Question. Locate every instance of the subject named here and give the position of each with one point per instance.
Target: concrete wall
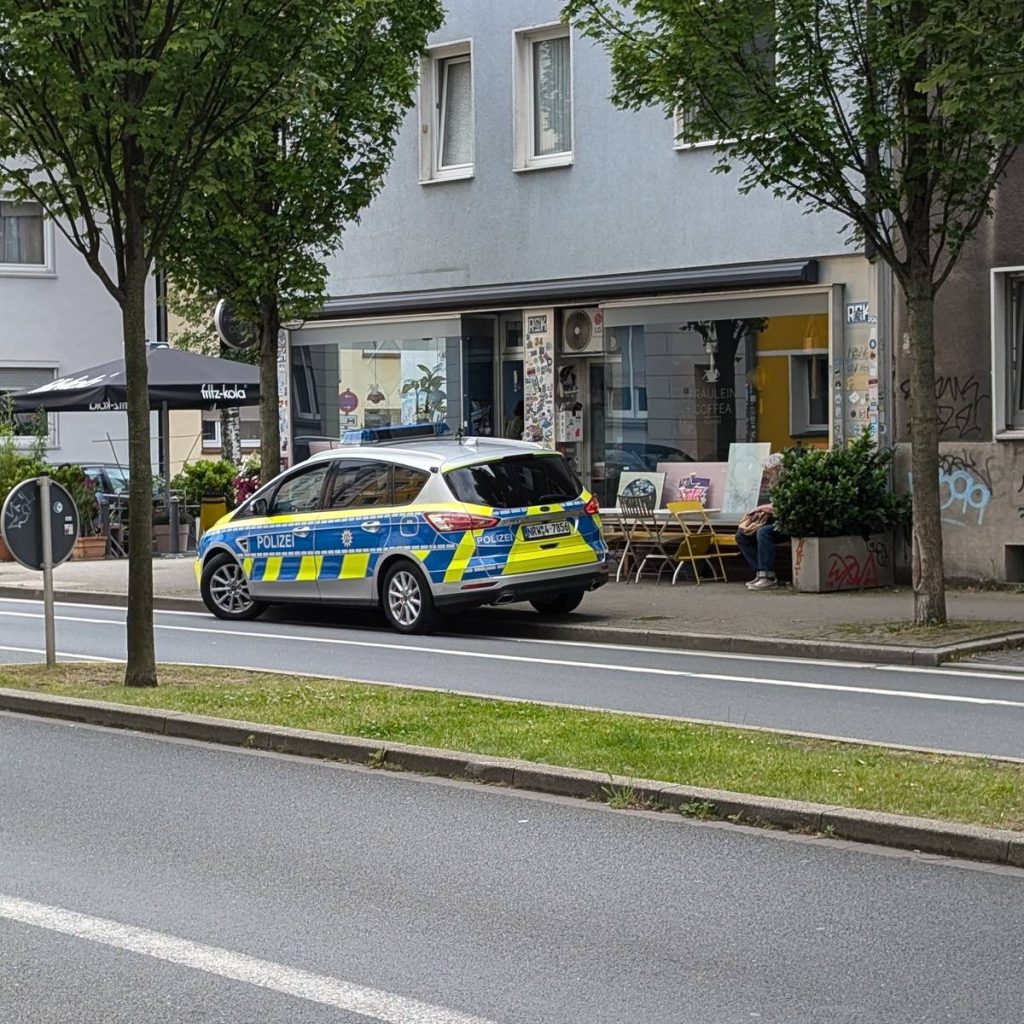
(68, 320)
(630, 201)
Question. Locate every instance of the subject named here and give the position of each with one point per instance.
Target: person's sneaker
(750, 583)
(763, 583)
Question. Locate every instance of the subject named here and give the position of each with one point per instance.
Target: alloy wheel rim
(405, 598)
(229, 589)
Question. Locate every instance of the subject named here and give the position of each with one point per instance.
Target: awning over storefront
(368, 333)
(575, 291)
(729, 306)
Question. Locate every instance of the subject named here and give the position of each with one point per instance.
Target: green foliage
(204, 476)
(83, 493)
(838, 492)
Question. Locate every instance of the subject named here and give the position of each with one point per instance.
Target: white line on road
(315, 988)
(61, 654)
(999, 674)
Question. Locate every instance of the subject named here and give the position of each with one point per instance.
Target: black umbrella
(178, 379)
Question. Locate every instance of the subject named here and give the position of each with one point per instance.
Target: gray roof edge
(563, 291)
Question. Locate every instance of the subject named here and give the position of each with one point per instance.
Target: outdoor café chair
(700, 545)
(645, 539)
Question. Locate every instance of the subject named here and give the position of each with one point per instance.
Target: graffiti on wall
(960, 402)
(965, 489)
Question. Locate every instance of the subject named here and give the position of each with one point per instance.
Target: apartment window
(248, 428)
(24, 241)
(680, 121)
(809, 394)
(446, 114)
(17, 378)
(1008, 350)
(543, 98)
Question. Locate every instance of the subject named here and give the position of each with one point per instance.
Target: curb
(996, 846)
(783, 647)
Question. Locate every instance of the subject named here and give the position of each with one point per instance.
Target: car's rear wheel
(225, 590)
(407, 601)
(560, 604)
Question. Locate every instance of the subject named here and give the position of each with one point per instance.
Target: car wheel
(407, 601)
(560, 604)
(225, 590)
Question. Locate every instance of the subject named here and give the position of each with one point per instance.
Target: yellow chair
(699, 543)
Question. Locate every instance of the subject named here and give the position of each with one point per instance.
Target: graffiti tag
(960, 404)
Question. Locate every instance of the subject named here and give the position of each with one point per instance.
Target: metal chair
(700, 544)
(644, 534)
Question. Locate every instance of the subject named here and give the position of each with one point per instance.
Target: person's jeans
(759, 548)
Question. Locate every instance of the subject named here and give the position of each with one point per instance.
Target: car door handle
(372, 525)
(301, 531)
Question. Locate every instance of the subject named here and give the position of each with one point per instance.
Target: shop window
(446, 114)
(25, 240)
(26, 425)
(809, 394)
(543, 98)
(626, 380)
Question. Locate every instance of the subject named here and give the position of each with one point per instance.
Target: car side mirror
(259, 507)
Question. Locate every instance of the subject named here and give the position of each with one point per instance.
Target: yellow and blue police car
(412, 519)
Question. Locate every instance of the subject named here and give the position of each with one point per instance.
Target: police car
(412, 519)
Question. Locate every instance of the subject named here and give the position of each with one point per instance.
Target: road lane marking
(1001, 675)
(62, 654)
(719, 677)
(314, 988)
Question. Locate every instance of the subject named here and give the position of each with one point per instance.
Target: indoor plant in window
(839, 507)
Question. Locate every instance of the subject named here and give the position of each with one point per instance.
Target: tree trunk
(929, 575)
(230, 436)
(141, 666)
(270, 423)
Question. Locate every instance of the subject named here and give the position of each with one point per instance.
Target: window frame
(216, 444)
(431, 98)
(44, 269)
(24, 442)
(304, 470)
(523, 107)
(800, 424)
(1007, 418)
(340, 465)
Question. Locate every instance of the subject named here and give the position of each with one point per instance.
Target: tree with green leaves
(261, 230)
(901, 115)
(109, 113)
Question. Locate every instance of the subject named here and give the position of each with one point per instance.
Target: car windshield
(515, 482)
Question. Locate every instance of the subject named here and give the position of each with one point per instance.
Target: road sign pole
(47, 544)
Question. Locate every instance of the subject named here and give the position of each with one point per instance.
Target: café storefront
(618, 383)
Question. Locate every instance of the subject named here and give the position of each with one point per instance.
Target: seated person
(758, 546)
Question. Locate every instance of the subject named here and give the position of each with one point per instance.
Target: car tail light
(450, 522)
(592, 507)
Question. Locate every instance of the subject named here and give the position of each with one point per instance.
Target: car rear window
(516, 481)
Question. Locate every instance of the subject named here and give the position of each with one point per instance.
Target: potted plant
(91, 543)
(839, 508)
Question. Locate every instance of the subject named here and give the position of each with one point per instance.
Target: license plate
(541, 530)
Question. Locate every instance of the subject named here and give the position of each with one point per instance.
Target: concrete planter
(824, 564)
(89, 548)
(162, 538)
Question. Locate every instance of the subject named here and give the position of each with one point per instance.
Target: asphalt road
(152, 881)
(969, 710)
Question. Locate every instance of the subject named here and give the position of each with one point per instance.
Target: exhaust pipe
(505, 597)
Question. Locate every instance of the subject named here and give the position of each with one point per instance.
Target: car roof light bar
(409, 432)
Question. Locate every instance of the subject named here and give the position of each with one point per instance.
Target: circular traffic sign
(22, 520)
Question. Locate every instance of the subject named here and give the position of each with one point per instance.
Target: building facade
(56, 318)
(979, 387)
(542, 264)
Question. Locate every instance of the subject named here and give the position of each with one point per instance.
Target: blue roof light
(409, 432)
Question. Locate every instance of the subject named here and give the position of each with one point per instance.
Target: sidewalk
(871, 625)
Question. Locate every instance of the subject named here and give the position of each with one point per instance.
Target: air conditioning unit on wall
(582, 332)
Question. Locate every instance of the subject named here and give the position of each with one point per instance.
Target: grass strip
(964, 789)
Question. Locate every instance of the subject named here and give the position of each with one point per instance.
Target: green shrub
(838, 492)
(83, 493)
(205, 476)
(16, 462)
